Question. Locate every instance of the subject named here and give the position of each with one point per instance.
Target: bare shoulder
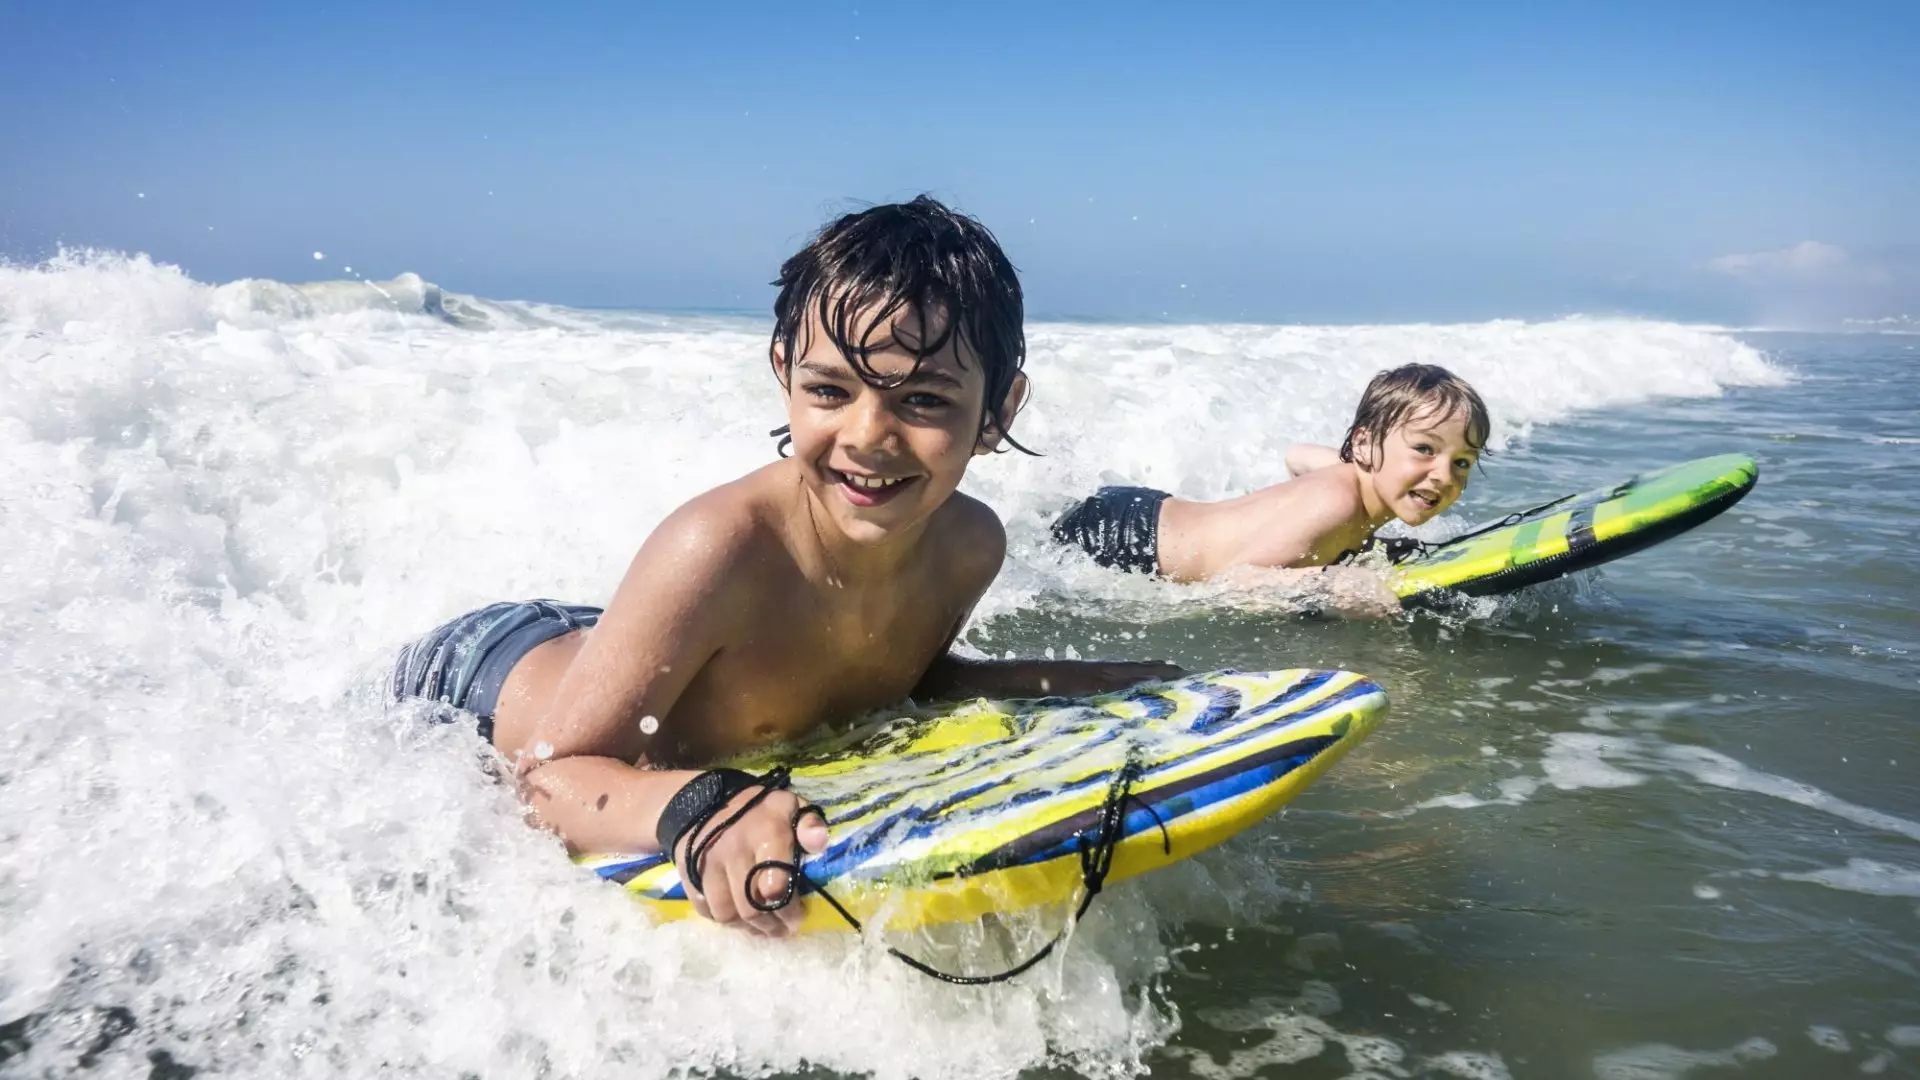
(1320, 497)
(715, 539)
(1333, 516)
(720, 522)
(1305, 521)
(971, 539)
(1330, 495)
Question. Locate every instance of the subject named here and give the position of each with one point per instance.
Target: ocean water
(1656, 821)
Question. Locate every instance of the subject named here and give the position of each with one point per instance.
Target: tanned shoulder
(1336, 514)
(715, 541)
(1309, 526)
(973, 539)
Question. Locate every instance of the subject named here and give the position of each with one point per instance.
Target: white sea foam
(1867, 876)
(226, 505)
(1658, 1061)
(1576, 760)
(1830, 1038)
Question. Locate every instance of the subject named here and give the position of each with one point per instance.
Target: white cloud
(1814, 284)
(1808, 258)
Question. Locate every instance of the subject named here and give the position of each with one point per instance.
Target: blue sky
(1339, 162)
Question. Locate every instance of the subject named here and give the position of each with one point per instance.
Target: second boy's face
(1423, 466)
(881, 459)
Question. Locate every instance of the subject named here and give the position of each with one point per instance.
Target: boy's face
(1422, 465)
(882, 459)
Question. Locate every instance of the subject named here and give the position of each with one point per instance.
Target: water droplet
(543, 750)
(649, 725)
(318, 255)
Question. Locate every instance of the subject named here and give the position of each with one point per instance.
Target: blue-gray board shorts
(464, 663)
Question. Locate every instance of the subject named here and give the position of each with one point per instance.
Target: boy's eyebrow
(1435, 436)
(921, 376)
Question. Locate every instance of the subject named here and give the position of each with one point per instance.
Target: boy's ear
(1010, 407)
(1363, 450)
(777, 356)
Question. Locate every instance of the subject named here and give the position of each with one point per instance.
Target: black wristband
(699, 800)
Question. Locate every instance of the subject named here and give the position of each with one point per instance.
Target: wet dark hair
(1394, 397)
(863, 270)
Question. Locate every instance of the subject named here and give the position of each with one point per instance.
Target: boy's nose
(870, 428)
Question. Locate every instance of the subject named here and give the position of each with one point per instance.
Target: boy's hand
(766, 833)
(1356, 592)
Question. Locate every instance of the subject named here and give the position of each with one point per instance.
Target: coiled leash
(1398, 549)
(690, 814)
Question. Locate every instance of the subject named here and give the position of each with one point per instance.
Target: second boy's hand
(1349, 592)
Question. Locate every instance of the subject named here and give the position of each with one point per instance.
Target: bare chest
(806, 663)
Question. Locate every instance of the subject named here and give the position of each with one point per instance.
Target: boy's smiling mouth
(862, 490)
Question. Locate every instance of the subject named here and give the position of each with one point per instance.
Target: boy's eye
(825, 391)
(923, 400)
(1423, 448)
(1462, 463)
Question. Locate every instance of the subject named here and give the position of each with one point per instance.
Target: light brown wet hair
(1396, 396)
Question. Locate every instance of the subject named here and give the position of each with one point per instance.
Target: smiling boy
(1408, 455)
(829, 583)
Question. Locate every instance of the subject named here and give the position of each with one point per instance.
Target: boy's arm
(669, 616)
(1303, 458)
(952, 677)
(949, 676)
(1350, 592)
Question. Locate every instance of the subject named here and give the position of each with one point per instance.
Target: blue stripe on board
(1223, 704)
(834, 861)
(1227, 787)
(1158, 706)
(1104, 729)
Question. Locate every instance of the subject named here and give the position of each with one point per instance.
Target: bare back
(1307, 521)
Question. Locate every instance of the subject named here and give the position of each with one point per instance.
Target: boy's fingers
(812, 834)
(767, 887)
(792, 915)
(722, 903)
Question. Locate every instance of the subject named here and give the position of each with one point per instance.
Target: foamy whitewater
(225, 506)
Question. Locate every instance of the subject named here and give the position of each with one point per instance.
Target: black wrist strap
(698, 801)
(693, 809)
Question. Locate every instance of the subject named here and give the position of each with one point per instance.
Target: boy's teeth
(871, 482)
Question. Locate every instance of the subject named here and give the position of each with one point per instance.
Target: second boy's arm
(1303, 458)
(1351, 592)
